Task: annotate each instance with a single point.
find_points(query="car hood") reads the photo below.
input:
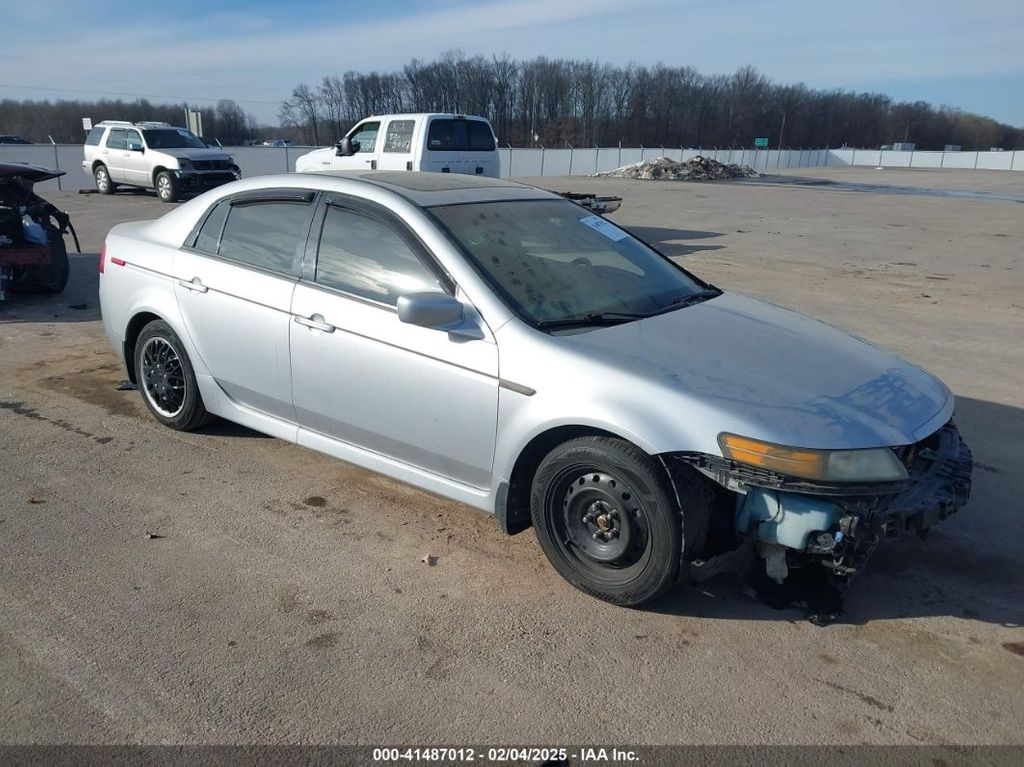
(195, 154)
(742, 365)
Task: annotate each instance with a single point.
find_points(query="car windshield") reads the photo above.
(555, 263)
(172, 138)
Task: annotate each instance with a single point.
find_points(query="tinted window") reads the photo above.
(93, 139)
(209, 236)
(399, 136)
(366, 135)
(117, 138)
(134, 139)
(265, 234)
(365, 256)
(460, 136)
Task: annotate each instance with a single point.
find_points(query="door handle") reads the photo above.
(316, 322)
(195, 285)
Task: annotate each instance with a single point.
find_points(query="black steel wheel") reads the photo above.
(166, 379)
(606, 516)
(103, 183)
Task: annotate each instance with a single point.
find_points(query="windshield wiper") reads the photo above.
(595, 319)
(691, 298)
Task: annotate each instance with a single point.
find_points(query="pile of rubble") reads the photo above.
(697, 169)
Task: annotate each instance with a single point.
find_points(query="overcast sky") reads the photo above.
(967, 54)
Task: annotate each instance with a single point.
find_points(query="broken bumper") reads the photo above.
(200, 181)
(840, 527)
(939, 469)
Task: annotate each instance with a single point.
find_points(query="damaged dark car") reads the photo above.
(33, 257)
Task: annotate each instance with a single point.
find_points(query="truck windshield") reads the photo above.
(554, 263)
(172, 138)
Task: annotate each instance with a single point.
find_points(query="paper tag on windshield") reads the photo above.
(605, 227)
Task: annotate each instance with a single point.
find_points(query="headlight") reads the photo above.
(185, 164)
(869, 465)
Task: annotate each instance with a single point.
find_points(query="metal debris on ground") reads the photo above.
(126, 385)
(697, 169)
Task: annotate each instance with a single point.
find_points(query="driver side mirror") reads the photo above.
(346, 147)
(439, 311)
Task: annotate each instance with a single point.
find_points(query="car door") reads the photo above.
(234, 286)
(366, 158)
(396, 150)
(114, 153)
(360, 375)
(135, 165)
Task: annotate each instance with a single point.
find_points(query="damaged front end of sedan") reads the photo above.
(796, 534)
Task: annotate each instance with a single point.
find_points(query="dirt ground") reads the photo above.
(284, 601)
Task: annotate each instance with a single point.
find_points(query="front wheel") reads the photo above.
(166, 379)
(166, 187)
(606, 516)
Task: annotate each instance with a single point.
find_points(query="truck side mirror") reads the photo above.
(346, 147)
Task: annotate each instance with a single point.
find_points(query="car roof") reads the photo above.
(430, 189)
(420, 115)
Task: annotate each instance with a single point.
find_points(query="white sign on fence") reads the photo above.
(86, 123)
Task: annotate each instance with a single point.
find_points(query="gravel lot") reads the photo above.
(284, 600)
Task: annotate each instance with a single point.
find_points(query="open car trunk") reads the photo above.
(32, 252)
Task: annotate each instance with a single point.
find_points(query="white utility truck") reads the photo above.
(442, 143)
(438, 143)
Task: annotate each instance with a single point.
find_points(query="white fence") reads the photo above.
(576, 161)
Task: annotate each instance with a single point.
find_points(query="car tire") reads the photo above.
(166, 379)
(49, 278)
(606, 515)
(103, 183)
(166, 187)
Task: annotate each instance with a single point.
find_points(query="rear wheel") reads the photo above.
(166, 379)
(103, 183)
(166, 187)
(606, 516)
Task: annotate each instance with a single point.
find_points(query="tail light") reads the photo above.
(103, 257)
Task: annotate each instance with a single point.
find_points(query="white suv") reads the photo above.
(152, 155)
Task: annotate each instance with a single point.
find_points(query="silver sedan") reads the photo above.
(502, 346)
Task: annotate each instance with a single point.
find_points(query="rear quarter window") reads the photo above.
(208, 240)
(93, 139)
(460, 136)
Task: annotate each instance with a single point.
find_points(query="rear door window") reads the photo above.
(117, 139)
(460, 136)
(264, 234)
(399, 136)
